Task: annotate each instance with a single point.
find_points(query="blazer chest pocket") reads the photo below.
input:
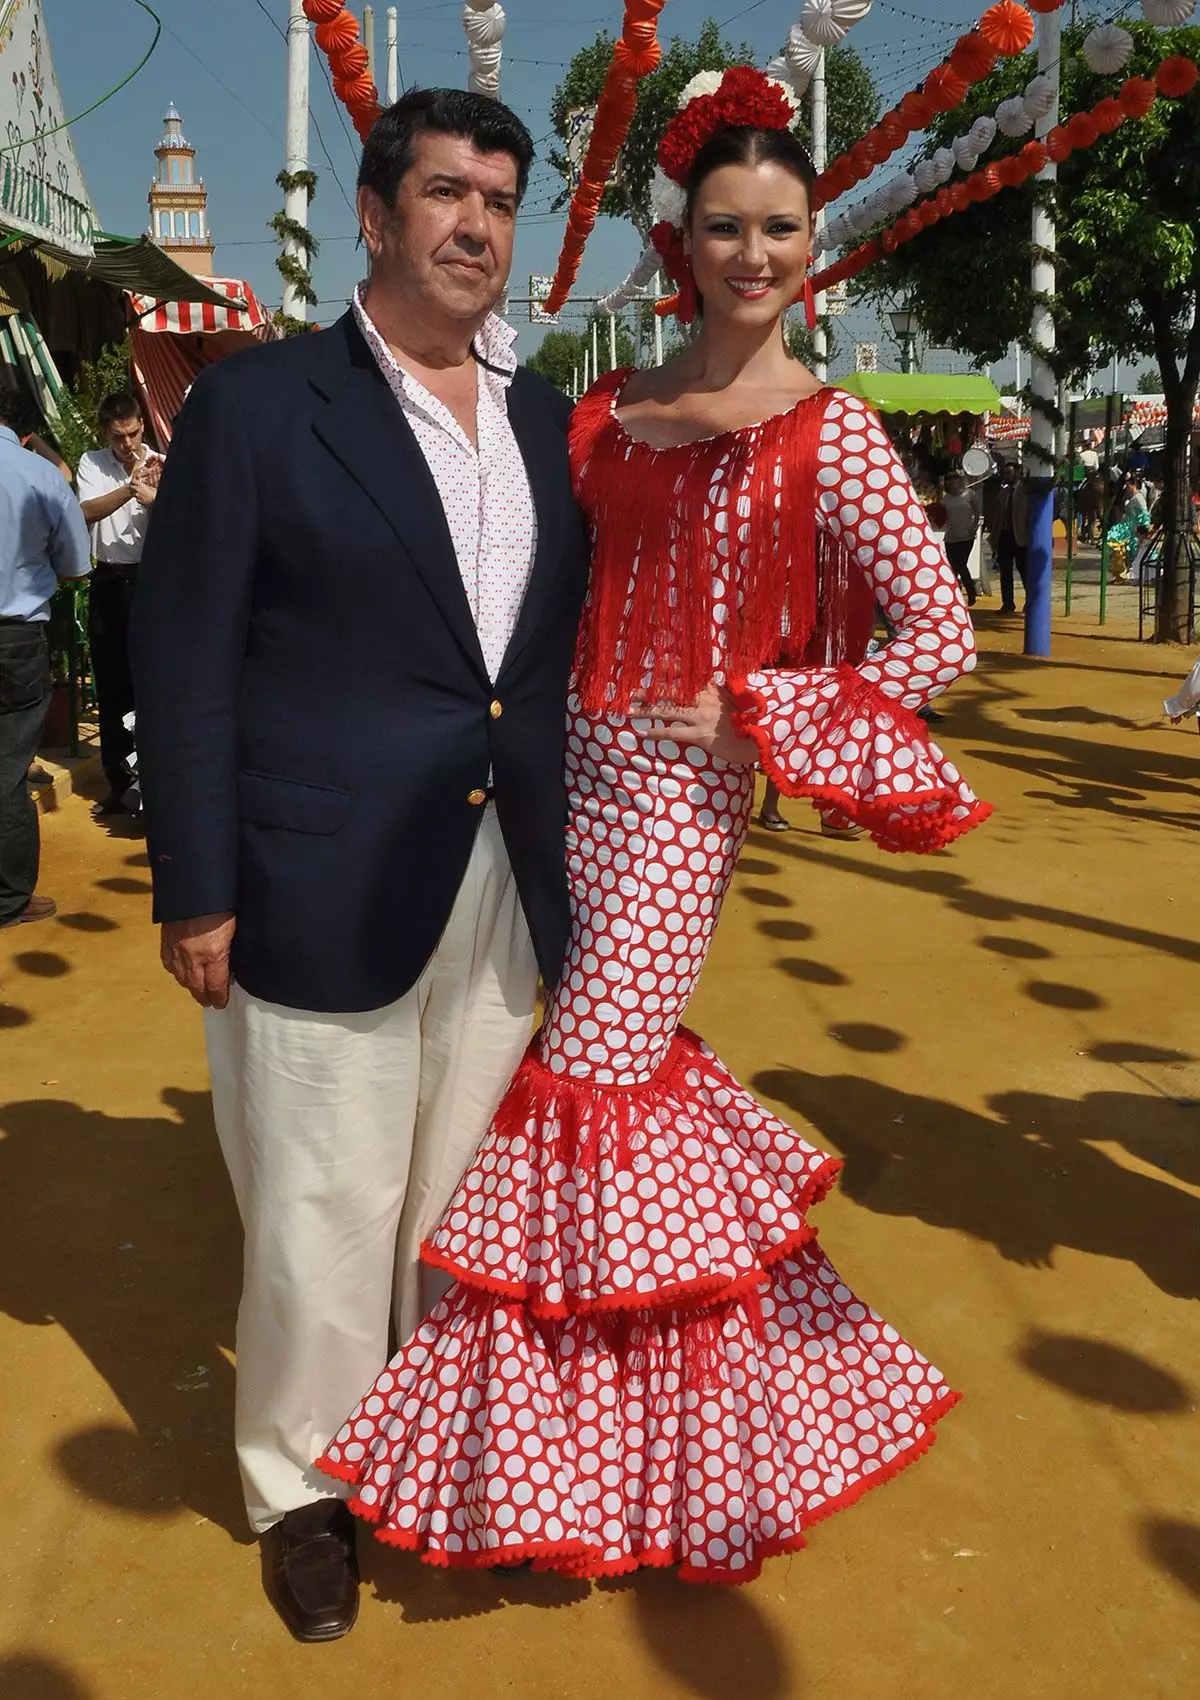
(294, 805)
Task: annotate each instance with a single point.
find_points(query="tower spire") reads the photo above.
(179, 200)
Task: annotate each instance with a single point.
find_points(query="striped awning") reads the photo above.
(184, 318)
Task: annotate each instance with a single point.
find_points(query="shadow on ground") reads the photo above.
(123, 1232)
(1024, 1178)
(28, 1676)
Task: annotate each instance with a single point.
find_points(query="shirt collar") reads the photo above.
(9, 436)
(493, 343)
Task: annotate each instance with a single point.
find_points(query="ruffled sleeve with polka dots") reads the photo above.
(848, 737)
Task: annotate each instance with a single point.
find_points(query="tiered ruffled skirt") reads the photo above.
(645, 1358)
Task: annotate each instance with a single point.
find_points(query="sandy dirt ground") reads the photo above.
(1000, 1040)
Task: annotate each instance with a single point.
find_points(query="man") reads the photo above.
(353, 637)
(1008, 529)
(962, 522)
(42, 540)
(116, 485)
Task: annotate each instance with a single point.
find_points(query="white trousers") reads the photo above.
(345, 1137)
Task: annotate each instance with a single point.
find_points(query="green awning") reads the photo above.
(131, 263)
(923, 392)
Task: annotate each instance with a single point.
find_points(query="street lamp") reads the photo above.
(904, 326)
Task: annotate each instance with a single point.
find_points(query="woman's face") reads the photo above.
(750, 239)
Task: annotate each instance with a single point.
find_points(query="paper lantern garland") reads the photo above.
(337, 35)
(1107, 49)
(1167, 14)
(484, 25)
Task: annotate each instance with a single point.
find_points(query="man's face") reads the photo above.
(448, 240)
(124, 438)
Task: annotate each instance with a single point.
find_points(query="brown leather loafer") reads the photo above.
(37, 909)
(310, 1570)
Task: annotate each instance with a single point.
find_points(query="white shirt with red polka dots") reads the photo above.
(484, 489)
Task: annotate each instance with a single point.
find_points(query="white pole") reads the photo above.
(575, 383)
(819, 121)
(295, 203)
(595, 349)
(369, 39)
(393, 57)
(586, 382)
(612, 342)
(658, 348)
(1017, 350)
(1043, 384)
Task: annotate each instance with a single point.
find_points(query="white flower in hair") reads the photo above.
(787, 89)
(704, 82)
(667, 200)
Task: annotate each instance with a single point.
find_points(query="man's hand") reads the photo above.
(144, 488)
(707, 724)
(196, 952)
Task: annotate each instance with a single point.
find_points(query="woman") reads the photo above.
(645, 1360)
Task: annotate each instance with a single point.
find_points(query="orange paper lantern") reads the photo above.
(916, 109)
(1137, 96)
(1082, 130)
(1059, 144)
(1176, 77)
(322, 11)
(928, 213)
(960, 198)
(349, 62)
(1008, 27)
(1108, 115)
(973, 57)
(944, 89)
(1035, 156)
(945, 203)
(1010, 171)
(340, 31)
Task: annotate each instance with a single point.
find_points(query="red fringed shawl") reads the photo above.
(791, 594)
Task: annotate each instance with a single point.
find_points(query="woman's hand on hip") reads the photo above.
(707, 724)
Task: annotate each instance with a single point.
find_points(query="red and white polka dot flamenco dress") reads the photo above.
(645, 1359)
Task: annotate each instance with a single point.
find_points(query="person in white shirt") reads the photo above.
(116, 485)
(962, 522)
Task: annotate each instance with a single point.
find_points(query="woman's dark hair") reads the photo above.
(388, 152)
(742, 145)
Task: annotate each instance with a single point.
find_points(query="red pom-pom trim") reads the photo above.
(745, 98)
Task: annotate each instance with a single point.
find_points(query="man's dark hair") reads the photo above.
(489, 125)
(119, 405)
(15, 410)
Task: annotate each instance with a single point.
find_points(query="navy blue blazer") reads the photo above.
(315, 722)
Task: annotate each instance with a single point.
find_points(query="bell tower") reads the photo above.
(179, 201)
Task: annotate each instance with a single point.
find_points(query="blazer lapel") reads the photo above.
(364, 427)
(543, 457)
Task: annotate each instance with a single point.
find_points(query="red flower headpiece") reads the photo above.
(744, 98)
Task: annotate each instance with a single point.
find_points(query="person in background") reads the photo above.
(962, 522)
(116, 486)
(1008, 528)
(42, 540)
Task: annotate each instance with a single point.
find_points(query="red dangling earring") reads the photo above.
(810, 304)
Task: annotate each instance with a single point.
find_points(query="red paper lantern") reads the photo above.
(1108, 115)
(977, 187)
(1044, 5)
(894, 130)
(973, 57)
(1035, 155)
(1082, 129)
(1059, 144)
(888, 241)
(1137, 96)
(992, 178)
(928, 213)
(339, 31)
(912, 222)
(916, 109)
(960, 197)
(1010, 171)
(860, 160)
(1176, 77)
(1008, 27)
(944, 89)
(945, 203)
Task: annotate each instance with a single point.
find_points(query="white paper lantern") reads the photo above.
(1107, 48)
(821, 241)
(983, 133)
(943, 164)
(802, 58)
(485, 28)
(966, 154)
(779, 70)
(1038, 97)
(819, 24)
(925, 176)
(668, 202)
(1012, 118)
(901, 192)
(1167, 14)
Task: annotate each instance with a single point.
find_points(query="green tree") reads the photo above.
(1148, 381)
(560, 357)
(853, 106)
(1128, 279)
(80, 430)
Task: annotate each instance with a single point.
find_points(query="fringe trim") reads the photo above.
(575, 1558)
(887, 819)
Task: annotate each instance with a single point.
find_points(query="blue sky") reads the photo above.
(223, 64)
